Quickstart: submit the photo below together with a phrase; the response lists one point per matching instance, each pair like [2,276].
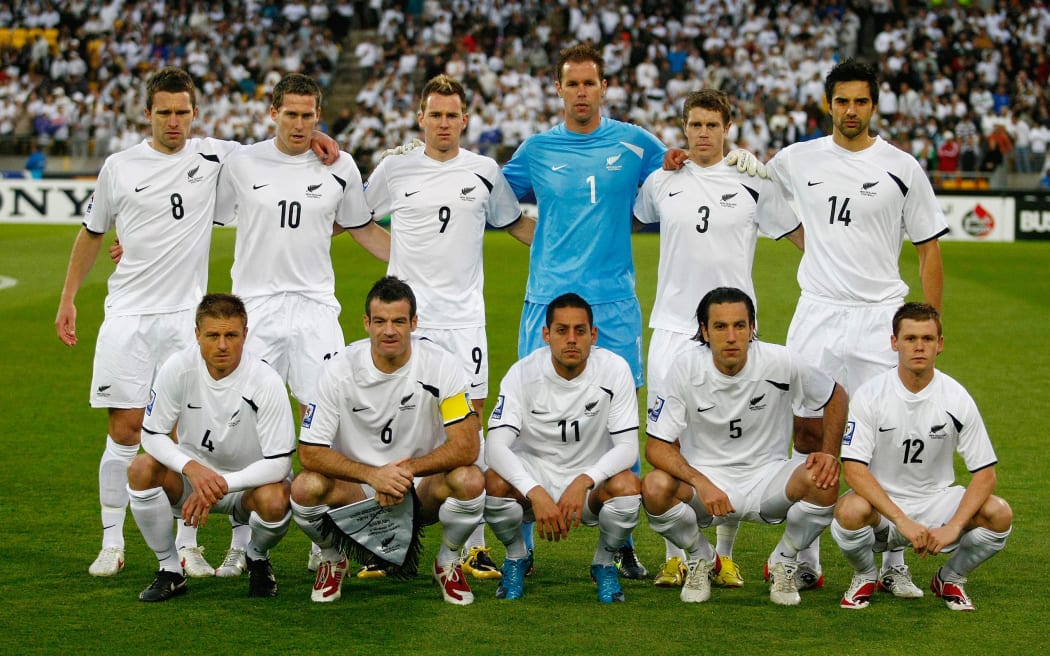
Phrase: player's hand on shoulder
[406,147]
[746,162]
[674,159]
[325,147]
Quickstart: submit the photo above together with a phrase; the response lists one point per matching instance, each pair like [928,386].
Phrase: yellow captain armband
[455,408]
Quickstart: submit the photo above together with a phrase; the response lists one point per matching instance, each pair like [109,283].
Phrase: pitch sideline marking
[6,282]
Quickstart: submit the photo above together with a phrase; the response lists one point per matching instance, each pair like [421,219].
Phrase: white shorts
[933,511]
[747,487]
[129,351]
[228,505]
[471,346]
[295,335]
[663,346]
[850,343]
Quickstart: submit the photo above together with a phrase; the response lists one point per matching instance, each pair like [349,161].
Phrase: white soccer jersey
[284,207]
[857,208]
[569,426]
[908,440]
[709,221]
[377,418]
[742,421]
[225,424]
[438,215]
[162,207]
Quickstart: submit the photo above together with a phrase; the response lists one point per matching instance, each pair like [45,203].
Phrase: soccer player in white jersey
[710,215]
[718,441]
[562,439]
[858,197]
[905,426]
[233,454]
[440,198]
[391,413]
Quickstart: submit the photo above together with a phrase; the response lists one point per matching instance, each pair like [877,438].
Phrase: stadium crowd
[965,83]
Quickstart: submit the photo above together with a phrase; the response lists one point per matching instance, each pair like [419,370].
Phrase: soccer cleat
[512,582]
[261,581]
[808,578]
[530,564]
[897,580]
[729,575]
[375,568]
[479,564]
[313,561]
[165,586]
[697,588]
[859,593]
[328,586]
[110,562]
[952,592]
[192,560]
[672,574]
[629,565]
[453,584]
[608,579]
[783,590]
[233,564]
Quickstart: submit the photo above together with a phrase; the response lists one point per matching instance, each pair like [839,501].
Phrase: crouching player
[236,438]
[898,451]
[562,439]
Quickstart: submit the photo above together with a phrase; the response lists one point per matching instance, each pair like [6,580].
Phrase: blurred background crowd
[964,82]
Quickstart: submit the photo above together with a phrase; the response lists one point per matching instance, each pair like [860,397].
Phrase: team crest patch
[152,398]
[308,416]
[658,407]
[847,437]
[497,412]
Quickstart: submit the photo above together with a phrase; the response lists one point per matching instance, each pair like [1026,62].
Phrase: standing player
[234,453]
[440,198]
[898,457]
[710,215]
[718,438]
[391,413]
[562,439]
[584,174]
[858,197]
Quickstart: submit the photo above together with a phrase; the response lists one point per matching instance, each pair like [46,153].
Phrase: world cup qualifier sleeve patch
[152,399]
[847,437]
[497,412]
[658,407]
[308,416]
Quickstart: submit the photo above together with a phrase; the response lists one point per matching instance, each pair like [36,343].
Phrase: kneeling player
[905,426]
[234,454]
[718,438]
[561,442]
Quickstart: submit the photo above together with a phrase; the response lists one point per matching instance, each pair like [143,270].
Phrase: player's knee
[145,472]
[624,484]
[466,482]
[125,425]
[496,485]
[271,502]
[852,511]
[309,488]
[997,514]
[658,488]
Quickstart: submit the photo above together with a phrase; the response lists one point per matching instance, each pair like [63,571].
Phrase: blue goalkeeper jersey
[585,186]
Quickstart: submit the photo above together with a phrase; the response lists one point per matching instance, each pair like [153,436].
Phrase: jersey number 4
[840,214]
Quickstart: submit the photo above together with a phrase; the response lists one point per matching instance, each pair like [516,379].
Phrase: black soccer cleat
[261,581]
[164,587]
[629,565]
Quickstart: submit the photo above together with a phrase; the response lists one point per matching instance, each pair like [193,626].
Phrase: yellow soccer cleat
[478,564]
[730,576]
[672,573]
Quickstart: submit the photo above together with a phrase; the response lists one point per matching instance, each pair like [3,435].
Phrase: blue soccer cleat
[608,580]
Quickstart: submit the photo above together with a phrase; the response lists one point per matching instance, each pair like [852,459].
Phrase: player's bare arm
[823,465]
[931,272]
[550,522]
[523,229]
[861,481]
[392,480]
[85,251]
[459,450]
[374,239]
[797,237]
[666,457]
[325,147]
[968,514]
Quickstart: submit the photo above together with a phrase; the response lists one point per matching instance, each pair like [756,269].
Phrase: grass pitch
[997,325]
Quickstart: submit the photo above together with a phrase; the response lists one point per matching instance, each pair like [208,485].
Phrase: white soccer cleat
[234,564]
[697,586]
[783,590]
[897,580]
[328,585]
[453,584]
[192,559]
[110,562]
[858,596]
[314,560]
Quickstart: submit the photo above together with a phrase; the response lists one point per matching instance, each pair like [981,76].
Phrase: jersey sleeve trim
[521,215]
[625,430]
[797,226]
[92,231]
[936,236]
[830,396]
[363,225]
[658,437]
[856,461]
[983,467]
[327,446]
[516,429]
[287,454]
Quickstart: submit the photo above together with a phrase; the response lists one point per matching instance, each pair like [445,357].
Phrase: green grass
[997,325]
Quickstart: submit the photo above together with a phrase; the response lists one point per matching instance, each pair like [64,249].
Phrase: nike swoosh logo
[476,384]
[813,184]
[704,409]
[411,193]
[106,528]
[539,412]
[674,193]
[358,409]
[138,189]
[257,187]
[193,407]
[885,430]
[558,167]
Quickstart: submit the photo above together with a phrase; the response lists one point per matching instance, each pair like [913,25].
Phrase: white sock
[616,519]
[856,547]
[477,537]
[805,521]
[113,490]
[308,518]
[671,551]
[503,515]
[975,547]
[679,526]
[152,513]
[266,534]
[458,519]
[185,535]
[725,537]
[811,554]
[240,534]
[893,558]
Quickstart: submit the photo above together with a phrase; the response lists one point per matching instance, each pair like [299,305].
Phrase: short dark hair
[390,289]
[580,52]
[712,99]
[170,80]
[852,70]
[569,300]
[221,306]
[720,296]
[296,84]
[443,85]
[916,312]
